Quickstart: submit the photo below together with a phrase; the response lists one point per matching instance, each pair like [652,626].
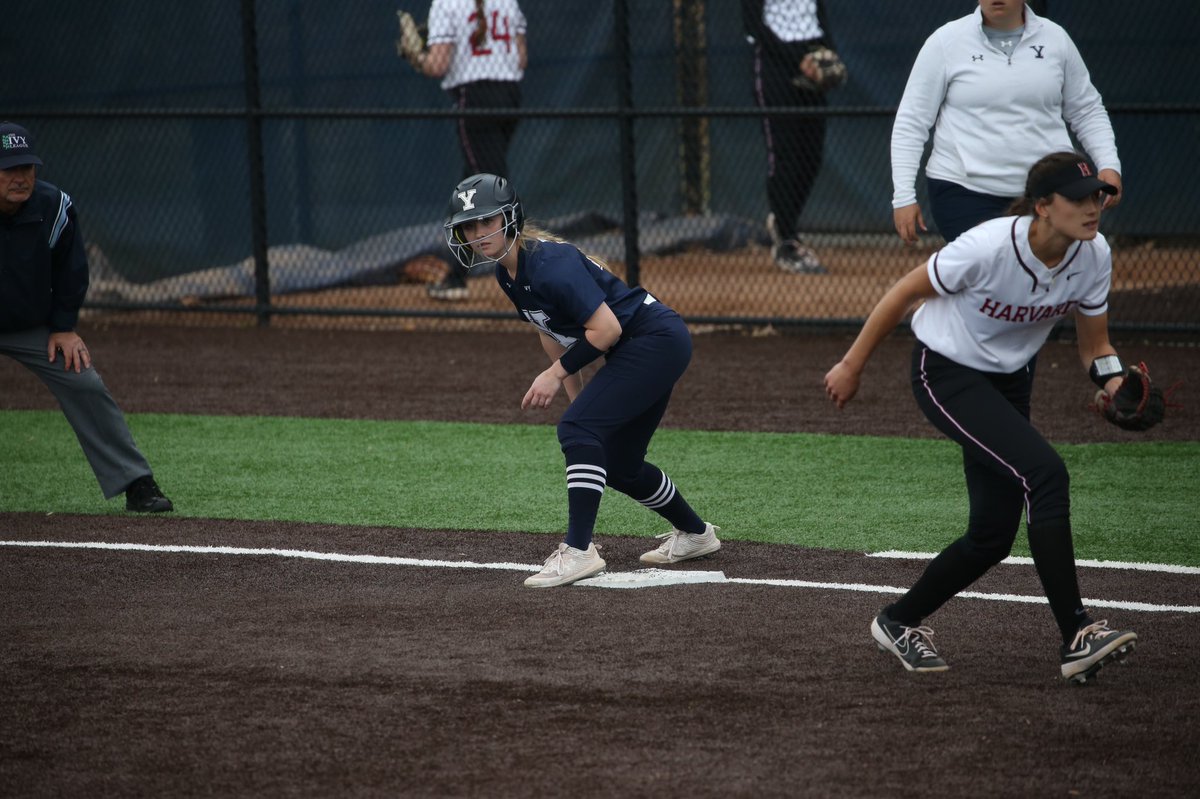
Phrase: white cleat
[681,546]
[566,565]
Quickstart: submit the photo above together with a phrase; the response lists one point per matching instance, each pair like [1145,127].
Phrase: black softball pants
[485,140]
[1009,468]
[795,144]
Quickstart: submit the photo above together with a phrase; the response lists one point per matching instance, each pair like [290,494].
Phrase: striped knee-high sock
[586,477]
[656,491]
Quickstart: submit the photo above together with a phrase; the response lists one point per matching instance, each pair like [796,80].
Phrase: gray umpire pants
[89,407]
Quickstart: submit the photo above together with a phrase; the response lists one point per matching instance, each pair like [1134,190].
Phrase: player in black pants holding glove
[991,298]
[794,65]
[478,50]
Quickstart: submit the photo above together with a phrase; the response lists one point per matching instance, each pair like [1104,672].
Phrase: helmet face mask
[482,197]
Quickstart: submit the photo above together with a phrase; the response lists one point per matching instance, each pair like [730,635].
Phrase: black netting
[281,159]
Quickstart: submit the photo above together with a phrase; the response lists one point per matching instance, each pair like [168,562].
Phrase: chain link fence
[281,162]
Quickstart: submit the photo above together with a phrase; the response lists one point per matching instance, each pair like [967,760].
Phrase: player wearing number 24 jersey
[583,313]
[477,48]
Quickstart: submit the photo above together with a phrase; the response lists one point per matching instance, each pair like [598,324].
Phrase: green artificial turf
[1131,501]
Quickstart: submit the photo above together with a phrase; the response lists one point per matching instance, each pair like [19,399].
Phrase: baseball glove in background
[411,43]
[820,70]
[1137,404]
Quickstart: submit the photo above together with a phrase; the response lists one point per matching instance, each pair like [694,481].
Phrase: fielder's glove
[825,70]
[411,43]
[1137,404]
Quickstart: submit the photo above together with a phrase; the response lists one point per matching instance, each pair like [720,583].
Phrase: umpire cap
[16,146]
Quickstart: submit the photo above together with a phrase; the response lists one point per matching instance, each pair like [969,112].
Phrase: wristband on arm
[1105,368]
[580,355]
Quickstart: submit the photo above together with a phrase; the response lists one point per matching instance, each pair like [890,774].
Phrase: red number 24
[494,30]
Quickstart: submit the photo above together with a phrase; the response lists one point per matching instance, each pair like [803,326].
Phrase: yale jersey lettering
[558,288]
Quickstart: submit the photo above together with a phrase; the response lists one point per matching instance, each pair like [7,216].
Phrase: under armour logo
[1037,48]
[466,197]
[977,57]
[1084,169]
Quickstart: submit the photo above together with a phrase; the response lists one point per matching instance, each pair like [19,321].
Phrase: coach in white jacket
[999,88]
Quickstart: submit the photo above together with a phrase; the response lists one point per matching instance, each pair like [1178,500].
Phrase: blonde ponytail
[532,235]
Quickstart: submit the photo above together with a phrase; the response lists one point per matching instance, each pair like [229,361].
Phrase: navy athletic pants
[621,405]
[606,431]
[956,209]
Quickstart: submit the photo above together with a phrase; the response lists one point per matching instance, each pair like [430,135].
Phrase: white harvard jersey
[997,302]
[496,58]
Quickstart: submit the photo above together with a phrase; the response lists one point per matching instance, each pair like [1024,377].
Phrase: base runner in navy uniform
[584,312]
[991,298]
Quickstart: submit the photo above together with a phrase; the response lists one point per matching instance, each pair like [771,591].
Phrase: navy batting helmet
[481,197]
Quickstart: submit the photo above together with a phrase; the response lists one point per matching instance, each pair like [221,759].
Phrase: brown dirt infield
[129,674]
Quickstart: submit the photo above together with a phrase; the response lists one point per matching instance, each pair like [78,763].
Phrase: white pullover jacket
[994,116]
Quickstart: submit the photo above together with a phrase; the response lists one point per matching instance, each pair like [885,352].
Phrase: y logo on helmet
[466,197]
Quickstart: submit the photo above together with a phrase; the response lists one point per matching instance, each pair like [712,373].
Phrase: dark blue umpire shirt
[43,266]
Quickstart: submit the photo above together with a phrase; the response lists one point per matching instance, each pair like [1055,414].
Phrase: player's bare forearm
[573,385]
[1093,338]
[543,388]
[841,382]
[887,314]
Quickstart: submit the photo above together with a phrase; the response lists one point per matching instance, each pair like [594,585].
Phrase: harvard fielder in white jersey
[989,300]
[997,302]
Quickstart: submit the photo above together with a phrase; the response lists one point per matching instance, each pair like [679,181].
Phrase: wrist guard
[580,355]
[1105,368]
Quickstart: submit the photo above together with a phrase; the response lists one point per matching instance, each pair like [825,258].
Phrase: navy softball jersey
[558,288]
[605,432]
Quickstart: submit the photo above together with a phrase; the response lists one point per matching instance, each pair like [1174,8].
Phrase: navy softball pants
[621,406]
[956,209]
[606,431]
[1010,469]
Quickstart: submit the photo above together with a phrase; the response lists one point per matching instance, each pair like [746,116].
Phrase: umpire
[43,280]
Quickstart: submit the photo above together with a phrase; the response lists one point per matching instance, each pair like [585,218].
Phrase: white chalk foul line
[1022,561]
[614,580]
[1029,600]
[282,553]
